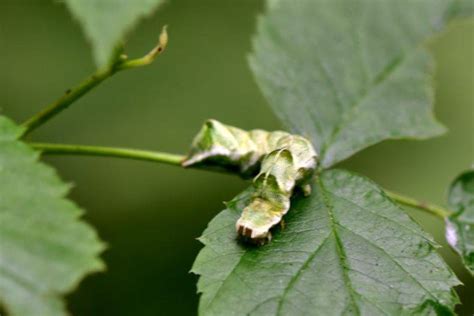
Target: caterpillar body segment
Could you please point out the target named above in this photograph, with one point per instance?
(278, 161)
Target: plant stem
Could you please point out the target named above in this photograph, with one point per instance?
(75, 93)
(127, 153)
(67, 99)
(411, 202)
(175, 160)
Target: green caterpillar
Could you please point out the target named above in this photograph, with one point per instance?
(279, 161)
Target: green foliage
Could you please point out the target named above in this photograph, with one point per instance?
(45, 248)
(349, 74)
(346, 250)
(106, 22)
(460, 225)
(346, 74)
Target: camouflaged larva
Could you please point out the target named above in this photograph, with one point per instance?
(280, 162)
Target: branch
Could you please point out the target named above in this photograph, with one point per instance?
(411, 202)
(75, 93)
(67, 99)
(127, 153)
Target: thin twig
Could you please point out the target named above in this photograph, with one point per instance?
(75, 93)
(427, 207)
(127, 153)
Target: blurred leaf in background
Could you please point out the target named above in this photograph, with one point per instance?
(349, 74)
(149, 214)
(460, 226)
(45, 248)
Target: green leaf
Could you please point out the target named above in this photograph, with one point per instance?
(346, 250)
(107, 22)
(45, 250)
(460, 225)
(349, 74)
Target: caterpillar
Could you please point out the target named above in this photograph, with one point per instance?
(278, 161)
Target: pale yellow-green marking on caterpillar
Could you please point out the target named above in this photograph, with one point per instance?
(279, 162)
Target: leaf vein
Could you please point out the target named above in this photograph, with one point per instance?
(297, 274)
(393, 260)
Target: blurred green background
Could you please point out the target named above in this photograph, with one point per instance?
(149, 214)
